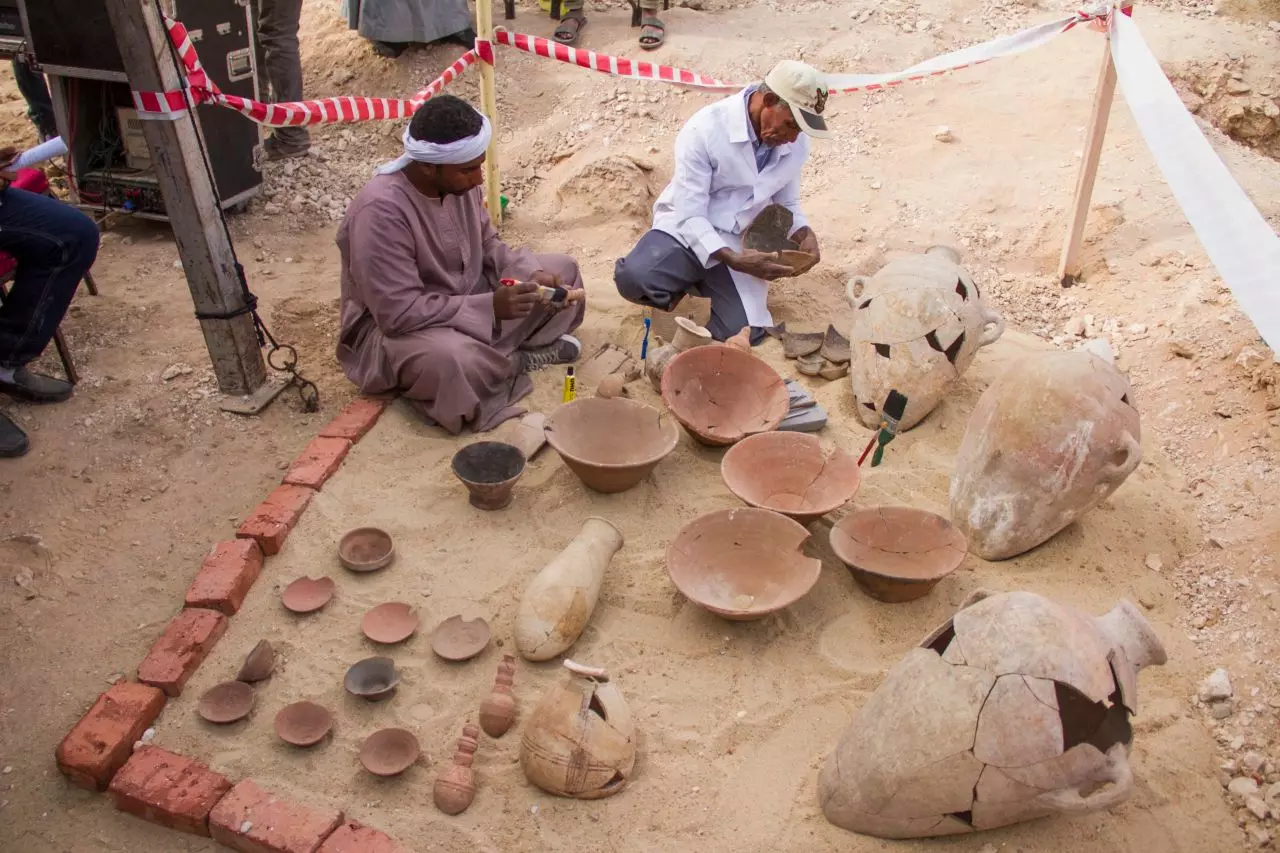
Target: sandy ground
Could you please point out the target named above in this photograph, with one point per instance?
(128, 484)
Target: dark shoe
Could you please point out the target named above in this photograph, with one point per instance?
(277, 150)
(36, 388)
(13, 441)
(466, 38)
(390, 49)
(564, 351)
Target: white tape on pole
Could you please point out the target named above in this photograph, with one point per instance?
(1243, 247)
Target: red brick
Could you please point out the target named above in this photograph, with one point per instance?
(355, 420)
(351, 837)
(274, 825)
(183, 646)
(317, 462)
(226, 576)
(168, 789)
(100, 744)
(271, 522)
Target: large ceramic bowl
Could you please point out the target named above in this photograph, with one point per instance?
(722, 394)
(898, 553)
(742, 563)
(611, 443)
(788, 472)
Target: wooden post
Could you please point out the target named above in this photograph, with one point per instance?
(190, 203)
(1103, 96)
(489, 105)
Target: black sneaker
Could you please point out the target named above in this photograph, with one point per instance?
(564, 351)
(36, 387)
(13, 441)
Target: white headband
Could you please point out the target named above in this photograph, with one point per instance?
(438, 154)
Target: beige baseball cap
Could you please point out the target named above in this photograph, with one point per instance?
(804, 88)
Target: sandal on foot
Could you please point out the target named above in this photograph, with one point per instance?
(653, 33)
(570, 27)
(13, 441)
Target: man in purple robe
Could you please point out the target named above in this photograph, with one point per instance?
(425, 311)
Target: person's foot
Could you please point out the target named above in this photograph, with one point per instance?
(278, 150)
(36, 387)
(570, 27)
(564, 351)
(13, 441)
(390, 49)
(653, 33)
(466, 38)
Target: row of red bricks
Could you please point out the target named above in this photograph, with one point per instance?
(173, 791)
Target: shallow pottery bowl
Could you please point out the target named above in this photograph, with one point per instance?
(303, 723)
(800, 262)
(392, 622)
(388, 752)
(457, 639)
(366, 549)
(722, 394)
(489, 470)
(788, 472)
(306, 595)
(898, 553)
(742, 563)
(372, 678)
(611, 443)
(226, 702)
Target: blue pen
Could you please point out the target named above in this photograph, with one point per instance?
(644, 345)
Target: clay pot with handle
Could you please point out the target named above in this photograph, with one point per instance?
(558, 602)
(918, 323)
(688, 335)
(1051, 438)
(580, 740)
(1009, 711)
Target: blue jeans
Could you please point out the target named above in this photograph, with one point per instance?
(55, 245)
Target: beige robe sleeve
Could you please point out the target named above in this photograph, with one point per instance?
(402, 297)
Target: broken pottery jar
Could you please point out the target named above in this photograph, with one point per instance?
(687, 335)
(917, 325)
(558, 602)
(1048, 440)
(1016, 708)
(580, 740)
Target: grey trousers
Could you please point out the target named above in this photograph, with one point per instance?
(279, 60)
(660, 270)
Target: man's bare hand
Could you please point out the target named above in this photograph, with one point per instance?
(762, 265)
(546, 279)
(515, 300)
(808, 242)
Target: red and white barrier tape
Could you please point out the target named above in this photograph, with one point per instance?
(171, 105)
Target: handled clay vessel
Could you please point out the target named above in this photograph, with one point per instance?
(1016, 708)
(687, 335)
(580, 740)
(558, 602)
(917, 325)
(1048, 440)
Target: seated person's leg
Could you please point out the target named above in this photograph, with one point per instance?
(728, 316)
(54, 245)
(548, 329)
(658, 272)
(456, 381)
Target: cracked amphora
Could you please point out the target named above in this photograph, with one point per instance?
(917, 325)
(1016, 708)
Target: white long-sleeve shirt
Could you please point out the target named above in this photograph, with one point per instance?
(717, 190)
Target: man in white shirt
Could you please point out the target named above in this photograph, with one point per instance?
(733, 159)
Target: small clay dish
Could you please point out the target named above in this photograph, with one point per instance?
(306, 595)
(831, 370)
(742, 564)
(457, 639)
(611, 444)
(389, 752)
(226, 703)
(393, 622)
(258, 664)
(800, 262)
(811, 364)
(722, 395)
(303, 723)
(372, 678)
(898, 553)
(789, 473)
(489, 470)
(366, 549)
